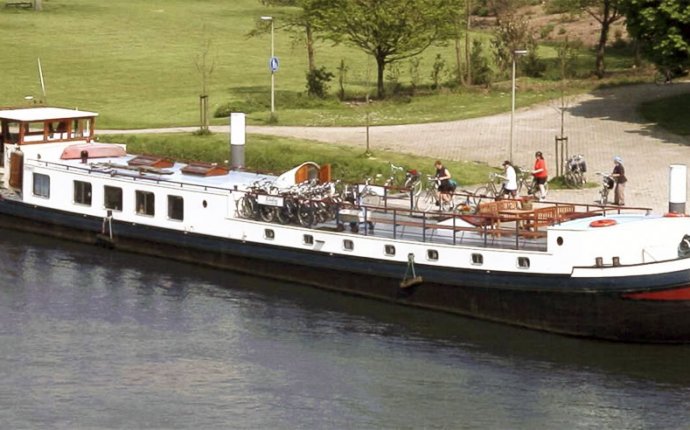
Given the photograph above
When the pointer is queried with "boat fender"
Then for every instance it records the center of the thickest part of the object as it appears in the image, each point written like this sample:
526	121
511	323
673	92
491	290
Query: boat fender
674	215
606	222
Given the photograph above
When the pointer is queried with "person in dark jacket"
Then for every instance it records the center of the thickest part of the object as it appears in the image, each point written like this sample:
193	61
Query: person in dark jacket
618	176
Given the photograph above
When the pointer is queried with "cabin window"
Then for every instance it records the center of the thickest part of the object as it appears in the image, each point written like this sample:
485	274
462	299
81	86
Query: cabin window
58	129
82	193
269	234
348	245
308	239
145	203
112	198
389	250
41	185
477	259
523	262
176	208
431	254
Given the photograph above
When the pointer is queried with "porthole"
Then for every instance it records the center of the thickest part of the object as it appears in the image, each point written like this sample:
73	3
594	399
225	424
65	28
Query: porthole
348	245
477	259
204	203
389	250
559	241
308	239
269	234
431	254
523	262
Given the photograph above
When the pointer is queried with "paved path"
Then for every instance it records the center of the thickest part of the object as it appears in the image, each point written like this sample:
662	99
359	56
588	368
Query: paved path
599	125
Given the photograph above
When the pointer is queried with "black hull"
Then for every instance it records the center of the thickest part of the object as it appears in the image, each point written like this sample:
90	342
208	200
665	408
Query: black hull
587	307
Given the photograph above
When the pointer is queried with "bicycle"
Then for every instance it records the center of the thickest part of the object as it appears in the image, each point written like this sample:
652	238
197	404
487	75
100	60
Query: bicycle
607	184
412	180
575	172
426	200
663	76
494	189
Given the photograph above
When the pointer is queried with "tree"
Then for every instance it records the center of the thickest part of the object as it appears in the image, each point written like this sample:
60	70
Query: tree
388	30
300	22
512	34
663	29
606	12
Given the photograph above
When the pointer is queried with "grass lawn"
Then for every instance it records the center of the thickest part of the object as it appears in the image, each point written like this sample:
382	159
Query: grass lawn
276	155
135	62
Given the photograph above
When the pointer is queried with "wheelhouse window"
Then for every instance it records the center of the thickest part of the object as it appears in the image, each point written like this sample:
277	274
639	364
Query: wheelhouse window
176	208
112	198
82	193
145	202
41	185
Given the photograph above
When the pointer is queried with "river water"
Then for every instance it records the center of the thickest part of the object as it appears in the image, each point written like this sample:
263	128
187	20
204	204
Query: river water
91	338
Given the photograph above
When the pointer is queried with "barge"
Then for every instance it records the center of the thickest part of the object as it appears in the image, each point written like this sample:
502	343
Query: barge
591	271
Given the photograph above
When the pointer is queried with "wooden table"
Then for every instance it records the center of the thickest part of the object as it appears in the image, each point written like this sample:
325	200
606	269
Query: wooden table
517	215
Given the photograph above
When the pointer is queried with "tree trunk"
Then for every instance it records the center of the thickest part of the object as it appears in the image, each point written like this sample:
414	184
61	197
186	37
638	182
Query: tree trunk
468	61
609	15
380	66
310	48
38	5
458	64
603	37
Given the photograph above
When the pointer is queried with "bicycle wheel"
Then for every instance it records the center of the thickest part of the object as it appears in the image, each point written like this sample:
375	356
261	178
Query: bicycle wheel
267	213
305	214
483	193
662	78
246	207
604	196
283	214
425	202
570	179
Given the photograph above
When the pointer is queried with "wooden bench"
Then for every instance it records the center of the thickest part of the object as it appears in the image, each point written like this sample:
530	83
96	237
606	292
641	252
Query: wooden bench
490	212
549	215
25	4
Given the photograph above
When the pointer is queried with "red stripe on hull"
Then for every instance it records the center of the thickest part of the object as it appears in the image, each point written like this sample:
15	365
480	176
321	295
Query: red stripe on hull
677	294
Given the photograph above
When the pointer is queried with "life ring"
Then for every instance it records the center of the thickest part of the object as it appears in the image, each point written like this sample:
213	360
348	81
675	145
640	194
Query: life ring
606	222
674	215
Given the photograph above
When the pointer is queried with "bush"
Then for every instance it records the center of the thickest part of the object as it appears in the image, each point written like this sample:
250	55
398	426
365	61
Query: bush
317	82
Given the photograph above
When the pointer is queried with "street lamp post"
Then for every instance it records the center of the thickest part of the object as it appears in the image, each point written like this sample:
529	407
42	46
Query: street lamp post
512	108
271	64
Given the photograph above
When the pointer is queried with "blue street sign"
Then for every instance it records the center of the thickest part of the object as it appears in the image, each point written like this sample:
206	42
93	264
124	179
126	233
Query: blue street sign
273	64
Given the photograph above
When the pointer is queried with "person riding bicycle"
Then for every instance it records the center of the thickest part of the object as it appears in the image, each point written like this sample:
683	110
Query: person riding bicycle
540	174
445	188
510	184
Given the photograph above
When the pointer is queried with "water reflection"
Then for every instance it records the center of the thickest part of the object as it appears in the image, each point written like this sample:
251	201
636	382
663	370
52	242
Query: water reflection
95	338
